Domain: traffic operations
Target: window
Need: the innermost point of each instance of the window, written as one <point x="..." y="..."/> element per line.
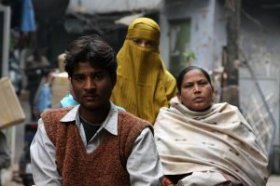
<point x="179" y="43"/>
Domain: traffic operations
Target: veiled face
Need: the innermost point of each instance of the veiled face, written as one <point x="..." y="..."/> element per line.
<point x="144" y="43"/>
<point x="196" y="91"/>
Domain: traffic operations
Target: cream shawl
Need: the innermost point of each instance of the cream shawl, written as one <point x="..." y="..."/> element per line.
<point x="217" y="139"/>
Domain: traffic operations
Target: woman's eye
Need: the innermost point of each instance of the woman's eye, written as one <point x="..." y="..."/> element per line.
<point x="149" y="44"/>
<point x="144" y="43"/>
<point x="203" y="83"/>
<point x="188" y="86"/>
<point x="137" y="41"/>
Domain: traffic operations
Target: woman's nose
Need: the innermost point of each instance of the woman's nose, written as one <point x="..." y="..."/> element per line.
<point x="196" y="88"/>
<point x="143" y="43"/>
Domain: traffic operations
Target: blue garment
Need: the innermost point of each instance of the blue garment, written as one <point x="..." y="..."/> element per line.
<point x="28" y="19"/>
<point x="43" y="98"/>
<point x="68" y="101"/>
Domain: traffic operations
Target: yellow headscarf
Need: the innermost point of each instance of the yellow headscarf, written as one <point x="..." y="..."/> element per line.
<point x="143" y="84"/>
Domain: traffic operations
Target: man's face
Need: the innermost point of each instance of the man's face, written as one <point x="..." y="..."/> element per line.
<point x="92" y="86"/>
<point x="196" y="92"/>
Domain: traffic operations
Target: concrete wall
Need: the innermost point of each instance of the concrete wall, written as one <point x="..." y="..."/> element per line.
<point x="107" y="6"/>
<point x="207" y="30"/>
<point x="219" y="34"/>
<point x="260" y="38"/>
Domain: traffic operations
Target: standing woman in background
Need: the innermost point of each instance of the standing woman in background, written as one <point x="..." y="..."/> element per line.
<point x="144" y="85"/>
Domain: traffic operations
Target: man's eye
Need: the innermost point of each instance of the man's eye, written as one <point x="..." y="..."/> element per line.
<point x="98" y="76"/>
<point x="78" y="78"/>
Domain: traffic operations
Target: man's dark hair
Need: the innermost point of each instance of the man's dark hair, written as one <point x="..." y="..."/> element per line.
<point x="186" y="70"/>
<point x="94" y="50"/>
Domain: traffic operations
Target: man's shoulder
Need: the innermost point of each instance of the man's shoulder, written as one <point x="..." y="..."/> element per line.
<point x="130" y="122"/>
<point x="57" y="110"/>
<point x="55" y="113"/>
<point x="51" y="120"/>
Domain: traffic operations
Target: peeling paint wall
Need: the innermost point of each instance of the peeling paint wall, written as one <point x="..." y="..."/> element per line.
<point x="259" y="41"/>
<point x="208" y="34"/>
<point x="109" y="6"/>
<point x="220" y="38"/>
<point x="260" y="38"/>
<point x="207" y="30"/>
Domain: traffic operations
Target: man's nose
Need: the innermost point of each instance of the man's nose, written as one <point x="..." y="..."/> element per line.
<point x="89" y="83"/>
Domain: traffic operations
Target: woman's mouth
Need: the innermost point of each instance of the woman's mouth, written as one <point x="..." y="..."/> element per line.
<point x="198" y="99"/>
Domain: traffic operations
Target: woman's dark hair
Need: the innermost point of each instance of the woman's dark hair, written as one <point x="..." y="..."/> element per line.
<point x="186" y="70"/>
<point x="94" y="50"/>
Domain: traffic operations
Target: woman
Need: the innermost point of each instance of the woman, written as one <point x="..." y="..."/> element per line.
<point x="144" y="85"/>
<point x="206" y="143"/>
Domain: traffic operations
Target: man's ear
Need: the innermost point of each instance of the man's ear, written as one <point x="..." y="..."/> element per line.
<point x="114" y="83"/>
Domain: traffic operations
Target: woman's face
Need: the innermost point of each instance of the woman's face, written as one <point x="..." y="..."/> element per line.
<point x="196" y="92"/>
<point x="144" y="43"/>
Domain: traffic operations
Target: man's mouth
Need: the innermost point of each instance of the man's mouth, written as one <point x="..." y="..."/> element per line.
<point x="90" y="97"/>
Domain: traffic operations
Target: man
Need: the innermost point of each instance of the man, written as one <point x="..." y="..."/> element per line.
<point x="144" y="85"/>
<point x="93" y="143"/>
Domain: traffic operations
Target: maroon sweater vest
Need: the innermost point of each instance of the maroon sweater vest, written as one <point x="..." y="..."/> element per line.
<point x="104" y="166"/>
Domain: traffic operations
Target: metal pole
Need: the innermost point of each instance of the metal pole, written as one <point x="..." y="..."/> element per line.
<point x="6" y="39"/>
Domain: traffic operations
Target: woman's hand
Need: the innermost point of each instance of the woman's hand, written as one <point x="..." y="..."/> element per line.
<point x="167" y="182"/>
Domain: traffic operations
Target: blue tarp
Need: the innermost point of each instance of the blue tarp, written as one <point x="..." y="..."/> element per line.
<point x="28" y="20"/>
